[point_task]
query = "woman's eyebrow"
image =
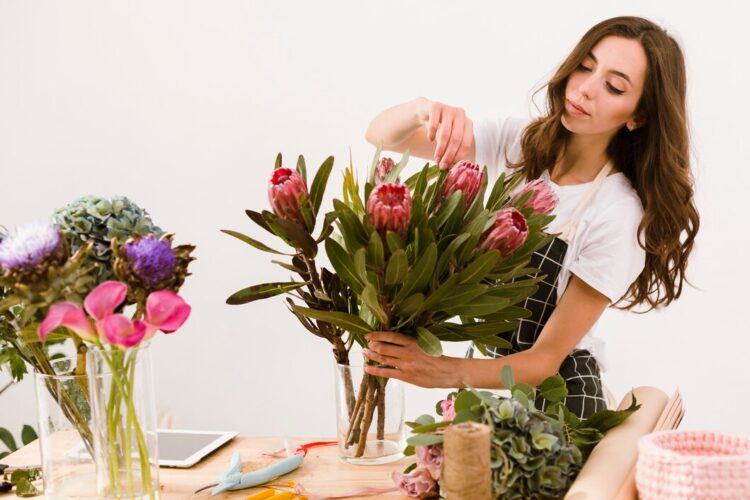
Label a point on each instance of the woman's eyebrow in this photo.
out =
(613, 71)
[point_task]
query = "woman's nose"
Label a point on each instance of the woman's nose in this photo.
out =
(586, 88)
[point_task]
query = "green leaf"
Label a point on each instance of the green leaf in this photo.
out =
(466, 400)
(428, 342)
(460, 294)
(543, 441)
(7, 438)
(302, 168)
(262, 291)
(252, 242)
(277, 163)
(605, 420)
(375, 251)
(420, 275)
(394, 242)
(397, 269)
(406, 454)
(374, 165)
(370, 298)
(346, 321)
(344, 266)
(553, 389)
(467, 416)
(298, 235)
(448, 207)
(425, 439)
(494, 199)
(521, 397)
(447, 254)
(409, 451)
(24, 488)
(318, 187)
(397, 168)
(28, 434)
(483, 329)
(360, 263)
(480, 306)
(431, 427)
(260, 220)
(479, 268)
(410, 306)
(506, 376)
(421, 420)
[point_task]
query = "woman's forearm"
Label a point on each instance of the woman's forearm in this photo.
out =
(530, 367)
(396, 124)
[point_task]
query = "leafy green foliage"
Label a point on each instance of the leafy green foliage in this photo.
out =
(534, 454)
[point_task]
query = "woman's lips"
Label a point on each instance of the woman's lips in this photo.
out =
(574, 109)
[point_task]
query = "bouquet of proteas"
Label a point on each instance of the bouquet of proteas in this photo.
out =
(87, 242)
(533, 453)
(434, 257)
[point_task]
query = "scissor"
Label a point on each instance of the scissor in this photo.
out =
(234, 479)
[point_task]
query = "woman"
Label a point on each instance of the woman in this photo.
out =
(613, 146)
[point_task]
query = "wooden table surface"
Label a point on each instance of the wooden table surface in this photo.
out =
(322, 473)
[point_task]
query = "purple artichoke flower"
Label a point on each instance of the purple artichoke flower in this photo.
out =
(151, 259)
(29, 246)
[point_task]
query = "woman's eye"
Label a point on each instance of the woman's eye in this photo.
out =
(581, 67)
(614, 89)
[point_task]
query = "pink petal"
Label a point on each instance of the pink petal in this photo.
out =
(166, 311)
(70, 316)
(118, 329)
(105, 298)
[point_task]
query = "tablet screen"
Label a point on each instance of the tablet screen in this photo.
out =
(179, 446)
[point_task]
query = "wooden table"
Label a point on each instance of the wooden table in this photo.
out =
(322, 473)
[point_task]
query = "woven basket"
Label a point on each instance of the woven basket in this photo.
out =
(692, 465)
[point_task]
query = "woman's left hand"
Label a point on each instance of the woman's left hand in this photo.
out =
(409, 363)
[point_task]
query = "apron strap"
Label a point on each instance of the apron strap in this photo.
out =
(568, 229)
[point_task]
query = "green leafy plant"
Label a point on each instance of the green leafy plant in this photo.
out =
(442, 257)
(21, 479)
(534, 454)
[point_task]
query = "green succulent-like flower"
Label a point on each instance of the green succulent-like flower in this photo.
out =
(101, 220)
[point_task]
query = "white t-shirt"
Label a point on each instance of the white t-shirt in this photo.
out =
(604, 251)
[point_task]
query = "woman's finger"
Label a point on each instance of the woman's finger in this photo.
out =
(391, 337)
(383, 359)
(443, 137)
(454, 142)
(384, 372)
(386, 349)
(466, 143)
(436, 110)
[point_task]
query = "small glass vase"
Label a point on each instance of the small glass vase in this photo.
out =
(124, 422)
(370, 416)
(65, 439)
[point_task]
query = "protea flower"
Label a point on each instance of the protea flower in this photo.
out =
(28, 251)
(385, 165)
(286, 193)
(543, 200)
(430, 457)
(147, 264)
(508, 233)
(389, 208)
(465, 177)
(417, 483)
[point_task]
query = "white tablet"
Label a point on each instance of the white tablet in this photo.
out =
(185, 448)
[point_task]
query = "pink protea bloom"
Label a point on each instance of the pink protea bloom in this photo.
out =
(449, 412)
(418, 483)
(543, 200)
(508, 233)
(465, 177)
(389, 208)
(385, 165)
(285, 192)
(430, 457)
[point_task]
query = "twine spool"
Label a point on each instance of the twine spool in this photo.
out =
(466, 463)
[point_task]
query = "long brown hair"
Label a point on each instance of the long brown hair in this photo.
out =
(654, 157)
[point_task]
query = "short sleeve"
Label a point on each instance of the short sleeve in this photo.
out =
(610, 258)
(495, 139)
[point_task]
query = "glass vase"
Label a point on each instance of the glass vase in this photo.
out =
(124, 422)
(370, 416)
(65, 439)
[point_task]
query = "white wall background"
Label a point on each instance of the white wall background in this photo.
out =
(183, 105)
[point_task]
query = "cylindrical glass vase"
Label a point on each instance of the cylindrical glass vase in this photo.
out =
(370, 416)
(124, 422)
(65, 436)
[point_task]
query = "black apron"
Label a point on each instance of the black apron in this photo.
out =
(579, 369)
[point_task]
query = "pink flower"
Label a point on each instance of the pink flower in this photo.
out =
(165, 311)
(465, 177)
(449, 412)
(70, 316)
(543, 200)
(431, 456)
(418, 483)
(389, 208)
(285, 192)
(385, 165)
(508, 233)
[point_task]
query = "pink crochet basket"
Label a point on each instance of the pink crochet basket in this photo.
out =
(692, 465)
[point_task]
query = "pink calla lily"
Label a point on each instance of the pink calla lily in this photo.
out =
(166, 311)
(104, 299)
(70, 316)
(118, 329)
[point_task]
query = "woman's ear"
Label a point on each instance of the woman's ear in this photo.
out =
(635, 122)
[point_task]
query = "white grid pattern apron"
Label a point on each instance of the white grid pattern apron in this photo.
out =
(579, 369)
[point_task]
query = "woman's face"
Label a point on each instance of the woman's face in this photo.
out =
(602, 93)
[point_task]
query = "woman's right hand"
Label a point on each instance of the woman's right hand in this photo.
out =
(450, 130)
